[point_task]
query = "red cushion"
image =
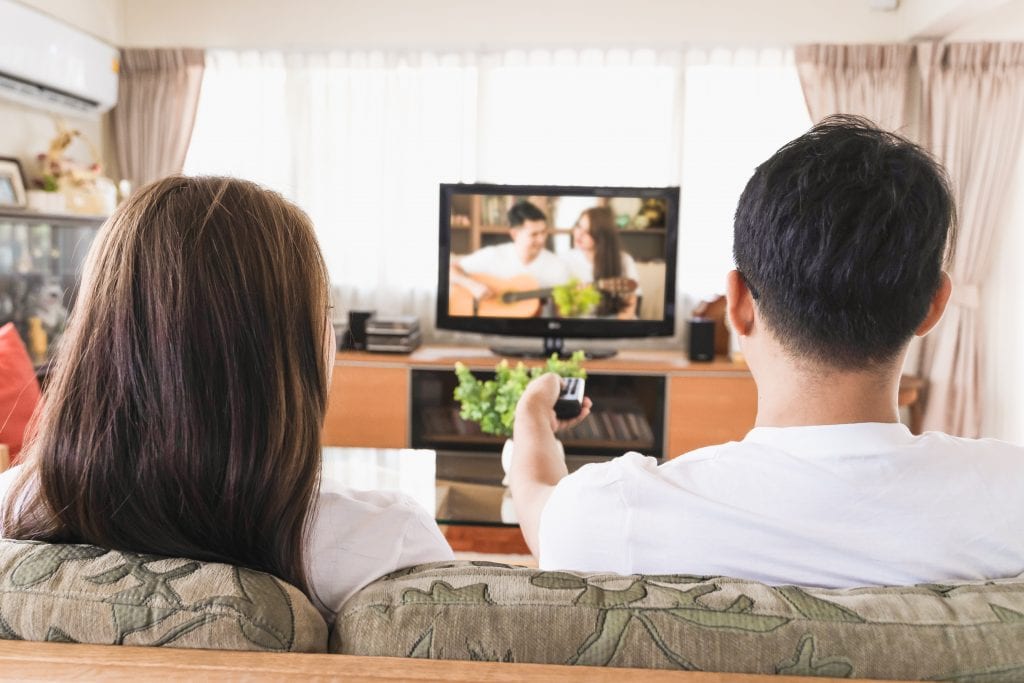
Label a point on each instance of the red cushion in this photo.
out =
(19, 389)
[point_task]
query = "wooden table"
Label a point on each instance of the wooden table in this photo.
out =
(28, 661)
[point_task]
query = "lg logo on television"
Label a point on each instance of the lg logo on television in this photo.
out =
(554, 325)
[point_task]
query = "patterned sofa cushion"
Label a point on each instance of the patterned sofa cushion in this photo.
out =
(81, 593)
(486, 611)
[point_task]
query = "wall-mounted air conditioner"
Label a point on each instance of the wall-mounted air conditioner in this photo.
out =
(48, 64)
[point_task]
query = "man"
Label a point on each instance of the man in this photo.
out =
(839, 242)
(524, 255)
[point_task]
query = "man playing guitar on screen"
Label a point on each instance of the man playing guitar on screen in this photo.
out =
(523, 262)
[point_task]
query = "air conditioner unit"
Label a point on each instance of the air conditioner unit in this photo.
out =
(46, 63)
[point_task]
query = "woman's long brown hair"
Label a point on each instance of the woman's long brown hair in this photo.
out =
(183, 416)
(607, 254)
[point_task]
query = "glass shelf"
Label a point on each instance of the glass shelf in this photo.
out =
(41, 258)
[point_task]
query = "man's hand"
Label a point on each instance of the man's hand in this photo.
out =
(478, 290)
(538, 460)
(540, 395)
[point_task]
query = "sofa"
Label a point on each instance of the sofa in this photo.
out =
(485, 611)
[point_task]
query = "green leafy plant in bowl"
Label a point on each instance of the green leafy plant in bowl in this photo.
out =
(492, 403)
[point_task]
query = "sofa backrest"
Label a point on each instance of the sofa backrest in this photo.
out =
(85, 594)
(488, 611)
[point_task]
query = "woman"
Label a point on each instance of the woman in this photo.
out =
(597, 254)
(183, 415)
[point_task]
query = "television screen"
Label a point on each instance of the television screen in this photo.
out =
(556, 262)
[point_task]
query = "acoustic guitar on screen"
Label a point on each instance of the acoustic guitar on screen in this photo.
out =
(518, 297)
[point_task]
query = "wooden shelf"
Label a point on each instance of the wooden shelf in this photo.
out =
(83, 220)
(653, 232)
(603, 430)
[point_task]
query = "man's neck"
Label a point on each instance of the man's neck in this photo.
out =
(794, 394)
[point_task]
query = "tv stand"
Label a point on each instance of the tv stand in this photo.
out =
(552, 345)
(388, 400)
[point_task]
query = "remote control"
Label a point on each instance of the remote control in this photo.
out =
(570, 401)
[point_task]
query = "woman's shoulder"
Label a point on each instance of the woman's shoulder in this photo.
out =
(356, 503)
(7, 478)
(357, 536)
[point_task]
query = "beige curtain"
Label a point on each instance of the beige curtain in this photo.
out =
(156, 109)
(868, 80)
(974, 117)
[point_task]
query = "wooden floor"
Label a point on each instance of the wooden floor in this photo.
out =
(25, 661)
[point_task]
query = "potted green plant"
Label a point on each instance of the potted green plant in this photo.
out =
(492, 403)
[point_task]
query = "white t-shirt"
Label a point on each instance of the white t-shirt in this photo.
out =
(502, 261)
(833, 506)
(583, 270)
(355, 538)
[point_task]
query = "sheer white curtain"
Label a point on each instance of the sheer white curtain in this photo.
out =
(581, 117)
(741, 105)
(361, 140)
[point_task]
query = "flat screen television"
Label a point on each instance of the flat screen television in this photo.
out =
(557, 261)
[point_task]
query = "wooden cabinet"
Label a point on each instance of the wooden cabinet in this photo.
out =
(377, 401)
(380, 400)
(368, 405)
(709, 409)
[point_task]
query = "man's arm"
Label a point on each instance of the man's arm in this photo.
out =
(538, 460)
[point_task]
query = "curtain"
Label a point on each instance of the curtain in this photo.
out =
(974, 118)
(156, 109)
(361, 141)
(867, 80)
(723, 142)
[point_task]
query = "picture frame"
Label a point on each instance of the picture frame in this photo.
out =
(12, 184)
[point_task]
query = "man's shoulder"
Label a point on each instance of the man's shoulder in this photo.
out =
(968, 446)
(633, 465)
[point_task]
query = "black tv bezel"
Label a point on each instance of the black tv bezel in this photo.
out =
(581, 328)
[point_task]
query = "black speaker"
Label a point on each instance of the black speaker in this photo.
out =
(702, 339)
(357, 328)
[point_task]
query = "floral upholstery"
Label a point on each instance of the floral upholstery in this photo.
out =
(81, 593)
(486, 611)
(967, 632)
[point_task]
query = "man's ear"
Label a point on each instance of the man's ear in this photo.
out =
(937, 306)
(739, 303)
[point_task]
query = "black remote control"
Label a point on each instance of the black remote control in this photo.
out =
(570, 401)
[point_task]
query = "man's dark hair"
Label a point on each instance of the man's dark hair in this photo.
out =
(522, 212)
(840, 236)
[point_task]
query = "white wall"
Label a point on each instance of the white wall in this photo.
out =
(1002, 23)
(476, 23)
(103, 19)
